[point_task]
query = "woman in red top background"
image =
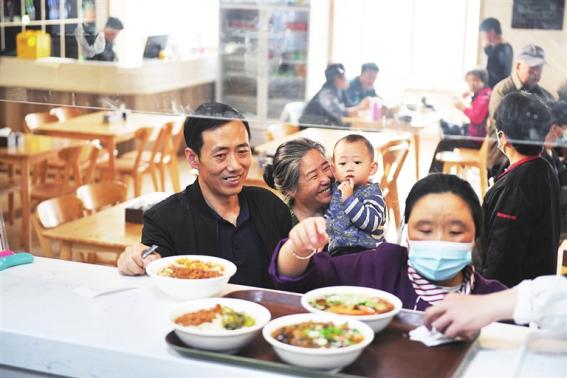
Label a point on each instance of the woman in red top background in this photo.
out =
(472, 135)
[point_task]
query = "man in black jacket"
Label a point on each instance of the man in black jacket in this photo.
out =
(216, 215)
(521, 210)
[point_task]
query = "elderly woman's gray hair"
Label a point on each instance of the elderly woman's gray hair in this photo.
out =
(283, 173)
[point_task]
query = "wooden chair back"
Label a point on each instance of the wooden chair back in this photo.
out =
(52, 213)
(142, 136)
(33, 120)
(394, 155)
(99, 195)
(65, 113)
(280, 130)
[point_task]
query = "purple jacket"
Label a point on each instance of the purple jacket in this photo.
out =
(384, 268)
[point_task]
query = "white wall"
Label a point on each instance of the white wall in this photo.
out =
(554, 42)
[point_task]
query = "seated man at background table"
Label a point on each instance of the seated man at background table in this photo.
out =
(216, 215)
(362, 86)
(330, 104)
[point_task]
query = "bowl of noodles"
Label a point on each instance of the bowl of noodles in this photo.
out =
(191, 276)
(371, 306)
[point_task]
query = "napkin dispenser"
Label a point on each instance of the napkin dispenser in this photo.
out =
(134, 213)
(11, 140)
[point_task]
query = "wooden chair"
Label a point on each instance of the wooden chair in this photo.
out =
(52, 213)
(72, 176)
(280, 130)
(99, 195)
(393, 155)
(33, 120)
(135, 166)
(164, 153)
(463, 159)
(65, 113)
(10, 186)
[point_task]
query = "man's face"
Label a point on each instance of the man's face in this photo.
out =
(341, 82)
(110, 34)
(529, 76)
(490, 37)
(368, 78)
(224, 160)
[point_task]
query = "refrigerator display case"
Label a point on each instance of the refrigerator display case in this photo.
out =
(268, 50)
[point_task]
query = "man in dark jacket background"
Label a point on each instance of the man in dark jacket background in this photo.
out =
(216, 215)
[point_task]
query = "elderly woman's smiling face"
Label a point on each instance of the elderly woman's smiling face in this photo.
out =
(441, 216)
(314, 185)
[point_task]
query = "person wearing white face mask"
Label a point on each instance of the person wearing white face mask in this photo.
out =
(444, 220)
(521, 209)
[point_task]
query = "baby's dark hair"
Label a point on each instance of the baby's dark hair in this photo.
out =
(354, 138)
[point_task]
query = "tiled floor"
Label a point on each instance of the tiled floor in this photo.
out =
(429, 138)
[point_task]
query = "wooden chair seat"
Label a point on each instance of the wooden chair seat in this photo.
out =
(9, 186)
(463, 159)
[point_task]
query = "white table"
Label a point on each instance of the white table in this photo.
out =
(46, 327)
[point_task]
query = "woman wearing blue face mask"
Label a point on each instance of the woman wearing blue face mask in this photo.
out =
(444, 220)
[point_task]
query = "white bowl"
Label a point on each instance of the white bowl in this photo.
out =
(190, 288)
(317, 358)
(227, 341)
(376, 322)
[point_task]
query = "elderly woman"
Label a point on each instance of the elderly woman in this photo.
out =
(303, 175)
(444, 220)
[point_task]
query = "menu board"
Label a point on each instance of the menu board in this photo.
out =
(538, 14)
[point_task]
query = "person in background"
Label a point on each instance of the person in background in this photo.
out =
(500, 53)
(216, 215)
(362, 86)
(444, 221)
(302, 174)
(526, 77)
(557, 136)
(357, 213)
(562, 91)
(541, 301)
(111, 30)
(521, 209)
(472, 135)
(330, 104)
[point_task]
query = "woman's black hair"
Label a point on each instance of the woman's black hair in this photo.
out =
(525, 119)
(444, 183)
(209, 116)
(559, 113)
(480, 73)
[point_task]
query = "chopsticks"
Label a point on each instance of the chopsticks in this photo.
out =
(149, 251)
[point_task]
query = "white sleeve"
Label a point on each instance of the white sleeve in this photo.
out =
(542, 301)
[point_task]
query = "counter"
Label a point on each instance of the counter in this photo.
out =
(47, 327)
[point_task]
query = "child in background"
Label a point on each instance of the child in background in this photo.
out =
(356, 214)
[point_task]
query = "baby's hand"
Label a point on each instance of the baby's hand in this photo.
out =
(346, 187)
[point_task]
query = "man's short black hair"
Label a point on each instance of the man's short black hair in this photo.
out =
(559, 113)
(489, 24)
(369, 67)
(525, 119)
(209, 116)
(114, 23)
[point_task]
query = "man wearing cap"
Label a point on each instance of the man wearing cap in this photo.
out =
(111, 30)
(525, 77)
(330, 104)
(363, 86)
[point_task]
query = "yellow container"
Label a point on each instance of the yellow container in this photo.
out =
(33, 44)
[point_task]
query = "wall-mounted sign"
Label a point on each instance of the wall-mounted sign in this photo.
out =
(538, 14)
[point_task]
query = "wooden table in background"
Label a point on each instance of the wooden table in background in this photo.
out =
(106, 230)
(34, 149)
(328, 137)
(91, 126)
(419, 122)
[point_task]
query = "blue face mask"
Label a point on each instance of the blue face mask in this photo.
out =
(439, 260)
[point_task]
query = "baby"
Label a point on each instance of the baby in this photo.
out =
(356, 215)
